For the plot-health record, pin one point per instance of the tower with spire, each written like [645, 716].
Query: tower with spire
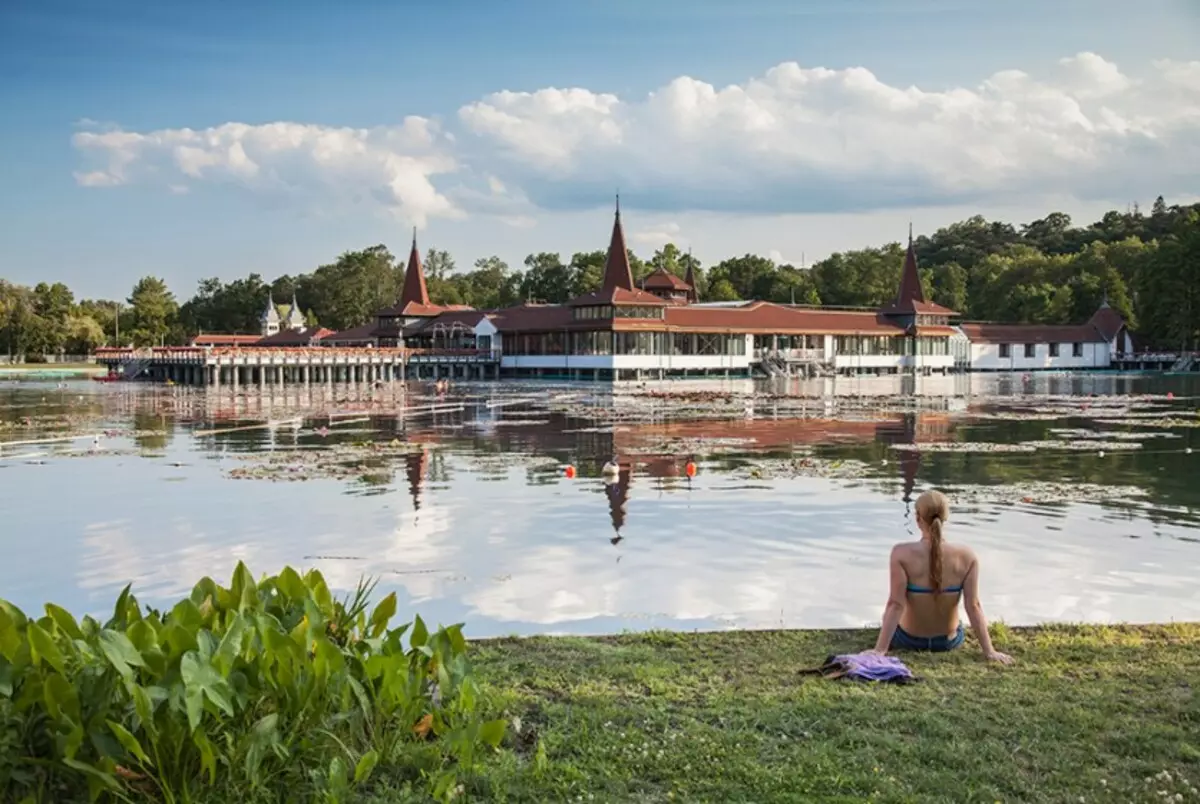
[269, 320]
[911, 308]
[295, 318]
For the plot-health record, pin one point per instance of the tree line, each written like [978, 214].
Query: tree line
[1049, 272]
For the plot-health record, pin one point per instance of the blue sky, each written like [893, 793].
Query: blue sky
[753, 170]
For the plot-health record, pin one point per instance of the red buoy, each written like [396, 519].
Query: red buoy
[569, 471]
[690, 469]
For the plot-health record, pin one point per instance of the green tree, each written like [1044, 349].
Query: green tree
[547, 279]
[154, 311]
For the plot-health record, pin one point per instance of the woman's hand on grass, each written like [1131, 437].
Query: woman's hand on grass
[998, 657]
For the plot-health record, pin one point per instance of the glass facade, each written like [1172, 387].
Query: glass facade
[623, 343]
[882, 345]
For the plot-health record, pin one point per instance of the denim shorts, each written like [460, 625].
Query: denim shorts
[903, 640]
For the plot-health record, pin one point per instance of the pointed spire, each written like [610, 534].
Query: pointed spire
[414, 291]
[690, 277]
[617, 272]
[910, 279]
[270, 315]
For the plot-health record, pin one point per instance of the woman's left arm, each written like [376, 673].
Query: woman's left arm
[897, 599]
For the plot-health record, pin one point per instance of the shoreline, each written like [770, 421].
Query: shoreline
[1087, 712]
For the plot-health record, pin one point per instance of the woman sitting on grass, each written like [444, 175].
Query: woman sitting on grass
[928, 578]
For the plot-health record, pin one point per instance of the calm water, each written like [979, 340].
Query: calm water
[463, 508]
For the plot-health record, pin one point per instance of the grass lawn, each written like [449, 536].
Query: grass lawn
[1086, 714]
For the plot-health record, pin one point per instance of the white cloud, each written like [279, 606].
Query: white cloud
[657, 236]
[814, 138]
[792, 140]
[394, 166]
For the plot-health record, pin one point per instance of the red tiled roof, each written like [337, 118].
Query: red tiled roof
[219, 339]
[617, 273]
[291, 337]
[911, 297]
[1107, 321]
[932, 330]
[619, 296]
[414, 291]
[1032, 333]
[533, 317]
[416, 310]
[365, 332]
[662, 279]
[464, 318]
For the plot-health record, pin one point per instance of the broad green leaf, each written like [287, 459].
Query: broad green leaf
[195, 707]
[42, 647]
[231, 645]
[178, 638]
[200, 676]
[362, 771]
[291, 584]
[187, 614]
[120, 608]
[129, 742]
[243, 589]
[14, 614]
[144, 707]
[7, 674]
[120, 652]
[492, 732]
[63, 619]
[62, 702]
[382, 615]
[327, 658]
[420, 634]
[10, 636]
[458, 642]
[142, 635]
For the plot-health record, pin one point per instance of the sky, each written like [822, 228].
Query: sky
[195, 139]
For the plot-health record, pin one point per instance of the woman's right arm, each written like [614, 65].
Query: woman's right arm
[975, 614]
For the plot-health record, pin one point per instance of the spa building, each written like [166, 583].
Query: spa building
[658, 329]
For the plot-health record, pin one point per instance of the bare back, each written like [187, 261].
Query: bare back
[927, 614]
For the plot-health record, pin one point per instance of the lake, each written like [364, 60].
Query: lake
[1080, 494]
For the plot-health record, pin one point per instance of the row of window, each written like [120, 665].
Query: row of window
[624, 343]
[874, 345]
[1031, 349]
[606, 311]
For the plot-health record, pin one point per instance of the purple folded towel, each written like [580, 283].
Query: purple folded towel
[865, 667]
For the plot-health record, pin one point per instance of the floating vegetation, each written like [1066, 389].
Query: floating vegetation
[1085, 446]
[808, 466]
[1170, 421]
[963, 446]
[1115, 435]
[1042, 492]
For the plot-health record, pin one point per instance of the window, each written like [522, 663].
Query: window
[1005, 350]
[1054, 350]
[1077, 350]
[1030, 349]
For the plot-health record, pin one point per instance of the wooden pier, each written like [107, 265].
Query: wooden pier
[248, 366]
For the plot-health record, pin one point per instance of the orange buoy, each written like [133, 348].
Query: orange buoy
[569, 472]
[690, 469]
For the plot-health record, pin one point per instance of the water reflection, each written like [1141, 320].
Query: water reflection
[471, 518]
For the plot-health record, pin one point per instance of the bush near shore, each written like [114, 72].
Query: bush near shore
[273, 690]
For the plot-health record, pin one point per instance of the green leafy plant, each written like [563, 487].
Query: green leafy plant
[240, 688]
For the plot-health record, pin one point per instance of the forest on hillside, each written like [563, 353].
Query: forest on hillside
[1048, 271]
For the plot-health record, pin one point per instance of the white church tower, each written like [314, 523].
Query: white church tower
[270, 318]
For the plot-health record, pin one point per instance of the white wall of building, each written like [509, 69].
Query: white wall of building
[986, 357]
